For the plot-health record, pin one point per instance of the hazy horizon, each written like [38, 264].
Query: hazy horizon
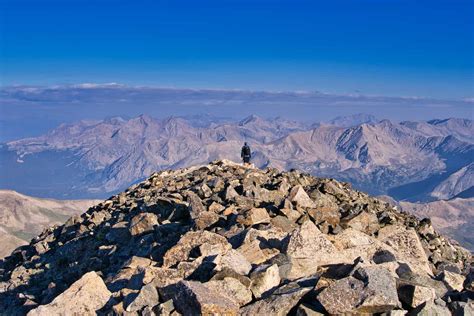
[32, 110]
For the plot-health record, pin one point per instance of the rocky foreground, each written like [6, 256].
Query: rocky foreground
[224, 239]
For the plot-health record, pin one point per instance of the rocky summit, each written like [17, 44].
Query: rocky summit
[226, 239]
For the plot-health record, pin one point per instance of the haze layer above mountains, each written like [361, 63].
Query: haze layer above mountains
[28, 111]
[416, 161]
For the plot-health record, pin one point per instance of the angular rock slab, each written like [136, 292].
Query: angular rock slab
[343, 296]
[233, 260]
[195, 298]
[265, 280]
[431, 309]
[407, 245]
[143, 223]
[307, 248]
[83, 297]
[414, 295]
[365, 222]
[180, 252]
[206, 219]
[453, 281]
[128, 276]
[233, 289]
[148, 297]
[259, 246]
[299, 197]
[256, 216]
[407, 276]
[325, 210]
[275, 305]
[380, 290]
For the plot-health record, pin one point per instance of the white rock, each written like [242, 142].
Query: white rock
[232, 289]
[299, 196]
[83, 297]
[263, 281]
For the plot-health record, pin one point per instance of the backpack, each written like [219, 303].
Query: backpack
[246, 151]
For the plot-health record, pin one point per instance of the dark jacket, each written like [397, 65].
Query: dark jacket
[245, 152]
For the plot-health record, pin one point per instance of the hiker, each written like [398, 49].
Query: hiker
[245, 153]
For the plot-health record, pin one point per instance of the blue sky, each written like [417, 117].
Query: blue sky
[381, 47]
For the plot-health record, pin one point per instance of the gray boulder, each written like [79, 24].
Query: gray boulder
[307, 249]
[380, 290]
[414, 295]
[264, 279]
[275, 305]
[84, 297]
[195, 298]
[232, 288]
[147, 297]
[342, 296]
[143, 223]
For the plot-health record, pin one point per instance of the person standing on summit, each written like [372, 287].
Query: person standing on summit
[245, 154]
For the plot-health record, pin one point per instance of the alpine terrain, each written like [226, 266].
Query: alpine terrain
[414, 161]
[224, 239]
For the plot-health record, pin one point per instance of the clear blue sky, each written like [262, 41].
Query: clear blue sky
[384, 47]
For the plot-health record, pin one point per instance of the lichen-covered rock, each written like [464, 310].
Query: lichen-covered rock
[299, 197]
[194, 298]
[414, 295]
[365, 222]
[143, 223]
[453, 281]
[233, 289]
[431, 309]
[196, 208]
[372, 290]
[206, 219]
[147, 297]
[233, 260]
[264, 279]
[191, 240]
[343, 296]
[277, 304]
[162, 277]
[256, 216]
[307, 248]
[283, 223]
[84, 297]
[406, 243]
[380, 291]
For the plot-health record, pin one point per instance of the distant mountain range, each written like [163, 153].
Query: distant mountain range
[23, 217]
[414, 161]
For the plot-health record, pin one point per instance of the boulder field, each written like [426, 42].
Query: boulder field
[226, 239]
